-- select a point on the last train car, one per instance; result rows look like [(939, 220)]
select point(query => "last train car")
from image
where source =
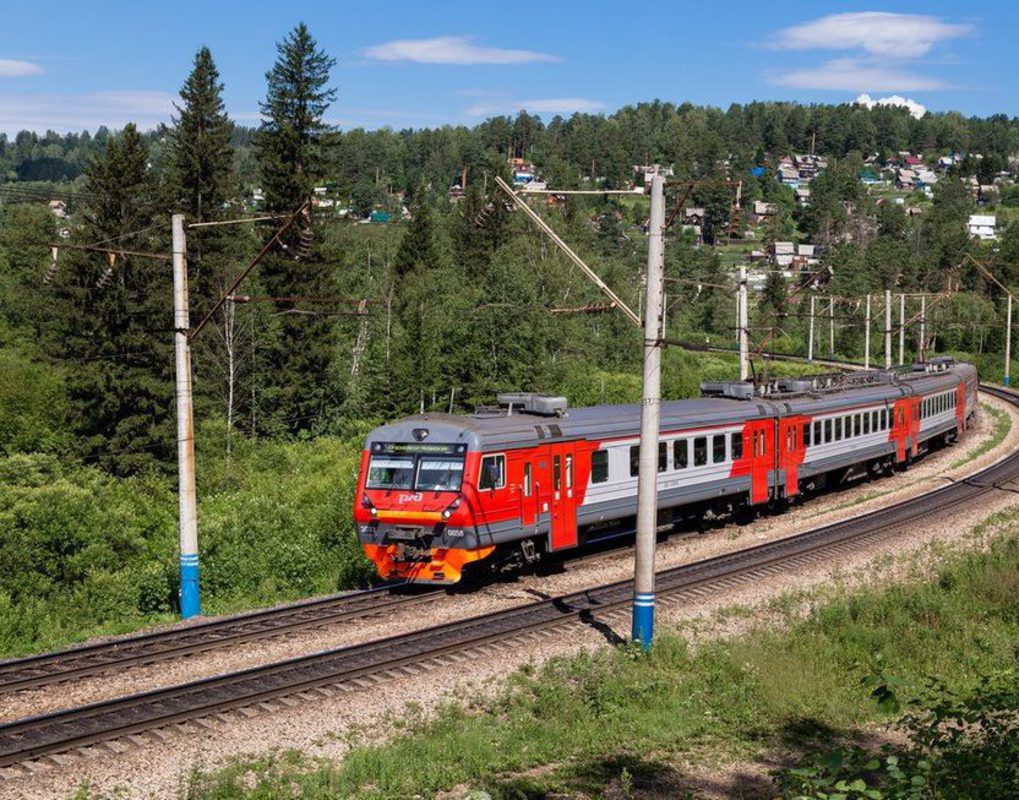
[(440, 492)]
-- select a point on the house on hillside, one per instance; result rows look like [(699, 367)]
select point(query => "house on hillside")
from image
[(693, 216), (762, 211), (987, 193), (905, 179), (802, 196), (783, 253), (523, 171), (982, 226), (869, 176), (58, 208)]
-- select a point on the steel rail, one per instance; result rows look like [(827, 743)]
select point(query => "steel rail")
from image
[(94, 659), (61, 731)]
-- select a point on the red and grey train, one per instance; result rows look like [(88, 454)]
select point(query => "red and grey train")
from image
[(439, 492)]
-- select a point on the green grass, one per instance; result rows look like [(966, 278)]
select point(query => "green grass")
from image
[(1002, 424), (618, 718)]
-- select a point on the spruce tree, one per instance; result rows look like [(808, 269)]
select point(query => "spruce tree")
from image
[(289, 142), (200, 156), (115, 319), (289, 150)]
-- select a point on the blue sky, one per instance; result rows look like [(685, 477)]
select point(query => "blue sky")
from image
[(70, 66)]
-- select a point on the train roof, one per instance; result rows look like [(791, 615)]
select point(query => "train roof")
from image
[(492, 431)]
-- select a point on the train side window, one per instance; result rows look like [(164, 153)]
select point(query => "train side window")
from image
[(493, 472), (528, 484), (848, 430), (817, 433), (679, 454), (663, 456), (838, 428), (856, 425), (827, 430), (700, 451), (866, 423), (806, 434), (599, 466), (883, 419), (557, 473), (569, 472), (634, 461), (718, 448), (874, 421), (736, 445)]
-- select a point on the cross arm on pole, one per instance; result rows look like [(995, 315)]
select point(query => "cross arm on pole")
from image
[(244, 272), (547, 229)]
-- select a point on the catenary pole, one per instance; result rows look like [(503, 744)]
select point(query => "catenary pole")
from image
[(1007, 379), (902, 329), (190, 604), (866, 338), (810, 336), (888, 328), (741, 305), (647, 476), (831, 327), (921, 350)]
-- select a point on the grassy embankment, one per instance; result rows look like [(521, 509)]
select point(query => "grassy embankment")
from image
[(636, 726)]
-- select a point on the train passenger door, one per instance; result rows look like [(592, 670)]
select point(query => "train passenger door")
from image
[(791, 451), (563, 496)]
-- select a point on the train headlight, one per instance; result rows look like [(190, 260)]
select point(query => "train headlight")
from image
[(366, 503), (451, 508)]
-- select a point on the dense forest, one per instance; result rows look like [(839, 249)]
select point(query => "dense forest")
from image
[(344, 324)]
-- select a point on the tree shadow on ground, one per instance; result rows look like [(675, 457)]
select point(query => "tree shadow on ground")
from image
[(626, 777)]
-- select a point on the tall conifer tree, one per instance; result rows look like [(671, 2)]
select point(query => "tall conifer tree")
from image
[(289, 142), (115, 317), (199, 144), (289, 148)]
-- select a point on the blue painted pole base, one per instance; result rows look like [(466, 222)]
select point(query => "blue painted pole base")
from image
[(643, 619), (190, 604), (1006, 381)]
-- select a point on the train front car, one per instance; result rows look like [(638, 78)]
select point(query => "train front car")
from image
[(415, 507)]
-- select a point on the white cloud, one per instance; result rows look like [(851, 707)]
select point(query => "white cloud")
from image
[(13, 68), (876, 32), (67, 112), (451, 50), (550, 105), (855, 75), (913, 107)]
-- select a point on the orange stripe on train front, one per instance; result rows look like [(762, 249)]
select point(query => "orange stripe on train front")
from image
[(392, 515), (446, 565)]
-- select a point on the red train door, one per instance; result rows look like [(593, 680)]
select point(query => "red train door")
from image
[(563, 496), (791, 451)]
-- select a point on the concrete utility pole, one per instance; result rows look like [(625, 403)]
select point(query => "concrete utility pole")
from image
[(742, 323), (866, 337), (888, 328), (647, 476), (810, 335), (902, 329), (831, 327), (1007, 379), (922, 347), (190, 604)]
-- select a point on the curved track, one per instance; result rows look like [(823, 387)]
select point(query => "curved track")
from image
[(358, 666)]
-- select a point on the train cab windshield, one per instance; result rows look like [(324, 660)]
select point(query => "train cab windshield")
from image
[(422, 468)]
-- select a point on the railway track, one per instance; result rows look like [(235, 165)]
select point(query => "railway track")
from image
[(95, 659), (157, 713)]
